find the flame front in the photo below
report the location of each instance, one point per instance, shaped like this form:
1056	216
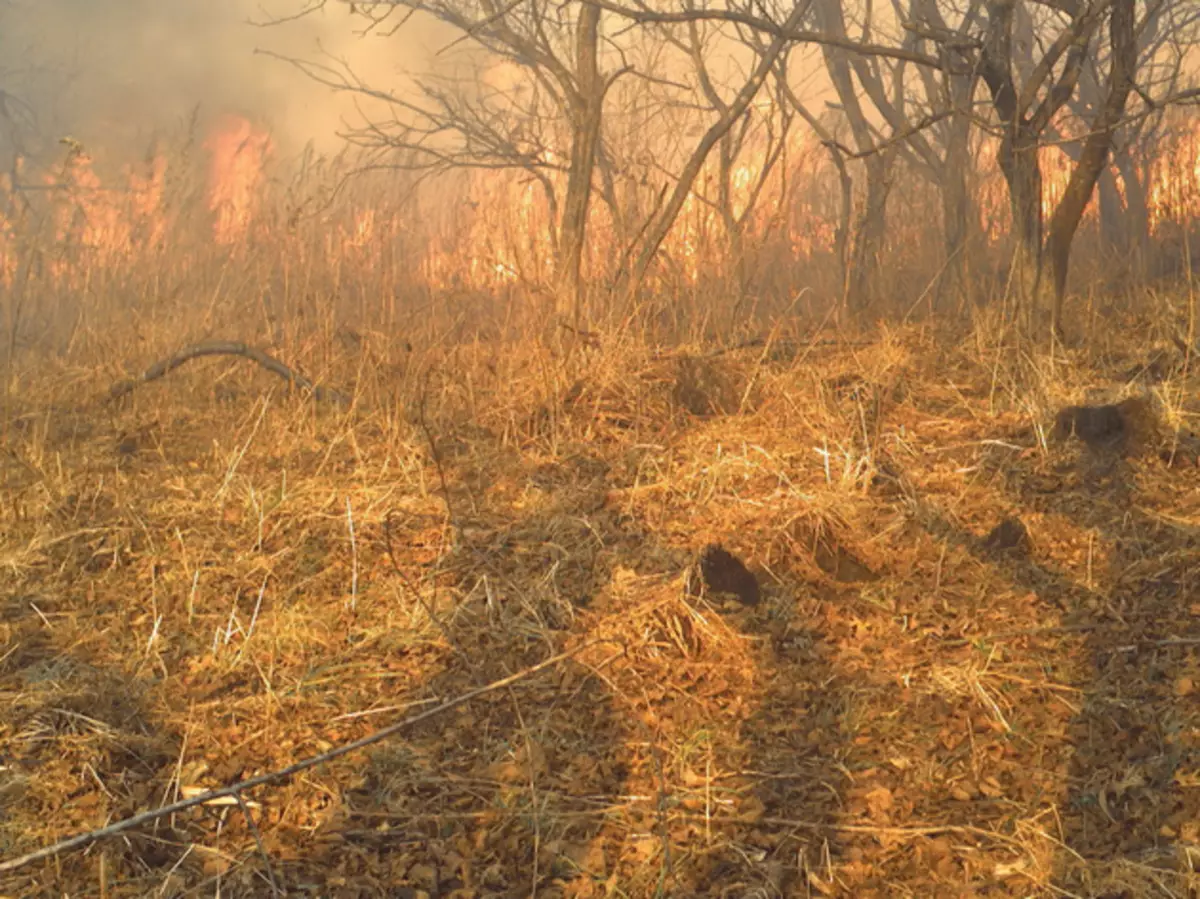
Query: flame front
487	230
238	153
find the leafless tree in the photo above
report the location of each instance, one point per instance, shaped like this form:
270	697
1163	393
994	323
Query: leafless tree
1167	35
1025	100
728	113
871	74
564	63
546	119
761	132
1026	106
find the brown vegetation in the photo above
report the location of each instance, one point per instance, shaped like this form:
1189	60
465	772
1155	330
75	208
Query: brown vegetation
948	644
215	596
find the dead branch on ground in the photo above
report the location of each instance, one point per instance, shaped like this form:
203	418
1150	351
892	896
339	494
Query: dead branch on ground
227	348
235	790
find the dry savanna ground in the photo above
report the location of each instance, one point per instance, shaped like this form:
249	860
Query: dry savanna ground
214	577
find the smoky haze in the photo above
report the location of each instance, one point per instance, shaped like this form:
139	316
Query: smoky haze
116	74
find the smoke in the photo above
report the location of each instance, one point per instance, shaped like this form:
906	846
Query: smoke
117	74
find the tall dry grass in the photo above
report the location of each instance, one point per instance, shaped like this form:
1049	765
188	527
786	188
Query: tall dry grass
215	577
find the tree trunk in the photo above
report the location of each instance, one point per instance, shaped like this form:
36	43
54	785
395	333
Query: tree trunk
1023	173
956	202
1114	234
734	236
841	237
870	224
870	229
1094	157
1137	210
585	134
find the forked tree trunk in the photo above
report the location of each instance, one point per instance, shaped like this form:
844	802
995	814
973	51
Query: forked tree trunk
585	135
1137	209
1065	221
1114	234
870	224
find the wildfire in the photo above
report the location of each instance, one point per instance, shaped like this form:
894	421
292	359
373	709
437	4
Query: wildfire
105	224
1173	178
490	229
238	153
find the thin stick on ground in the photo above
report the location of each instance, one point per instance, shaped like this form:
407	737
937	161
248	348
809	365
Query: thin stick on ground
235	790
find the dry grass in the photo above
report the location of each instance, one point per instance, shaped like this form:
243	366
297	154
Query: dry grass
201	584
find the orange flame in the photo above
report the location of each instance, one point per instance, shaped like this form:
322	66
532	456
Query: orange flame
488	230
238	153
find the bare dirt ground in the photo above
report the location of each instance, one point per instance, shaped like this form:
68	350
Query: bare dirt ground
212	579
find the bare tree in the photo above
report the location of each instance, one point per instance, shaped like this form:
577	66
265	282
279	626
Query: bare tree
878	160
545	120
871	76
762	131
1025	101
1166	35
1026	106
567	62
729	113
880	100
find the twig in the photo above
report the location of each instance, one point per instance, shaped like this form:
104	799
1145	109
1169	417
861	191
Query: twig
233	790
353	557
1157	644
429	610
258	842
423	423
589	339
1029	632
660	812
760	342
226	348
927	830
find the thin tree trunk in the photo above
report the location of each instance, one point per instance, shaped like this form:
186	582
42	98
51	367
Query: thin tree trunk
956	211
869	231
956	195
1114	234
841	235
869	227
1023	173
1137	210
1093	158
585	128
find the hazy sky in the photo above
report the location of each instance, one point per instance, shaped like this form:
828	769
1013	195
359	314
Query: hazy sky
114	72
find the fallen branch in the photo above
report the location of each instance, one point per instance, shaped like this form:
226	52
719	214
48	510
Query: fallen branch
235	790
227	348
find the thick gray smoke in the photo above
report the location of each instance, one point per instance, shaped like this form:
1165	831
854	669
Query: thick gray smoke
116	74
